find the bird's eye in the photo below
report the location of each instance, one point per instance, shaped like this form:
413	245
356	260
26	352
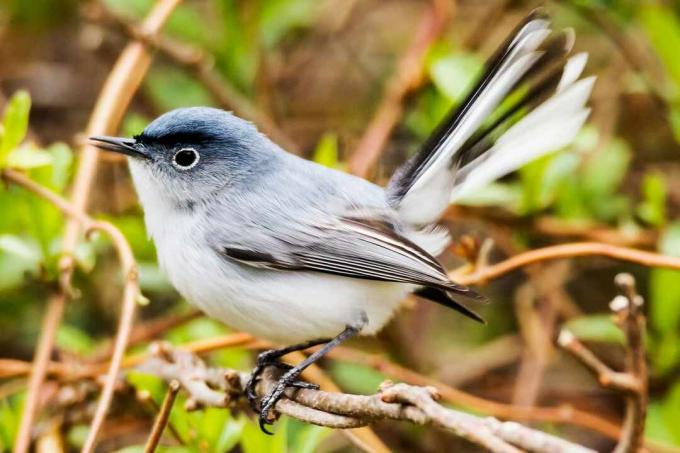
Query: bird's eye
185	158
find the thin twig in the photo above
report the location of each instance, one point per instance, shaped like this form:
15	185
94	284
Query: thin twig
162	418
572	250
632	382
407	77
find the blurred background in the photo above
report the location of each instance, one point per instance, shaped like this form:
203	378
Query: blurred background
313	74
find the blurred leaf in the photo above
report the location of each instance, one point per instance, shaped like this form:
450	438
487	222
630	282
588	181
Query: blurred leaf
72	339
454	75
62	164
674	120
230	435
14	123
27	157
656	427
133	124
671	411
148	383
151	278
9	422
652	209
326	152
665	285
170	88
18	256
85	256
278	17
602	175
598	327
604	170
309	438
77	435
494	194
356	378
662	27
255	441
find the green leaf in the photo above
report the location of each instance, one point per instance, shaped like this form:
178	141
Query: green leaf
356	378
671	411
254	441
656	427
606	168
653	207
326	152
665	285
28	157
231	434
597	327
661	24
309	438
62	164
494	194
72	339
14	123
453	75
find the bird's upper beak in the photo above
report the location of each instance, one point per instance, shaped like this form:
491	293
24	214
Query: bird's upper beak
127	146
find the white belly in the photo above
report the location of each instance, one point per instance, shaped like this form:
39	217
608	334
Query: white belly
281	306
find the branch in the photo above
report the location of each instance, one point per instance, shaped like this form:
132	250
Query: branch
572	250
162	418
222	388
632	382
408	76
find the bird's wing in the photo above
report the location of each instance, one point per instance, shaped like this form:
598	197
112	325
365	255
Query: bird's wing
350	247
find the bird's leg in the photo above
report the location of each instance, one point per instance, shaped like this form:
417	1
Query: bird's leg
290	377
271	358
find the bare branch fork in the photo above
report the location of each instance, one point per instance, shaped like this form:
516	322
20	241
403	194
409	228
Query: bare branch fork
632	382
218	387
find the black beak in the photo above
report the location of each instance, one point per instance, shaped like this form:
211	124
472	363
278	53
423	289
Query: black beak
120	145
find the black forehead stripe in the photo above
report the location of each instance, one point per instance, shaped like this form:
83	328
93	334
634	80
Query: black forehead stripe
196	136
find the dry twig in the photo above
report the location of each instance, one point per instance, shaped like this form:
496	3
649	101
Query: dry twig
632	382
162	418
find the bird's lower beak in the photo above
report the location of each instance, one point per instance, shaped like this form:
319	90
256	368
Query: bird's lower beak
127	146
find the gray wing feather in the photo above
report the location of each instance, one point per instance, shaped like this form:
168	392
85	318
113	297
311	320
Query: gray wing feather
365	248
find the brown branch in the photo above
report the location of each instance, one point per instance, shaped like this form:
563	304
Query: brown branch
162	418
407	77
632	382
393	402
558	414
565	251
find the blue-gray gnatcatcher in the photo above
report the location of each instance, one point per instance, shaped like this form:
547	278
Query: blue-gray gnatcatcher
291	251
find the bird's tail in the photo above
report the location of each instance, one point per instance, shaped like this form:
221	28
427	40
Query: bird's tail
528	102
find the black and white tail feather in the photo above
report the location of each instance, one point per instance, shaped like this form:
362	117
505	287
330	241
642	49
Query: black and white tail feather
528	103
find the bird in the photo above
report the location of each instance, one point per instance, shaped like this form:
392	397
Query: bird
301	254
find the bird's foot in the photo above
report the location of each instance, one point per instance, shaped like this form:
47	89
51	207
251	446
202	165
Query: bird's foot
289	379
266	359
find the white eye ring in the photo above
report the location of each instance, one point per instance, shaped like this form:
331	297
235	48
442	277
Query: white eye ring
183	154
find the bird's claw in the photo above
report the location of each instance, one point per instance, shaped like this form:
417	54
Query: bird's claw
290	379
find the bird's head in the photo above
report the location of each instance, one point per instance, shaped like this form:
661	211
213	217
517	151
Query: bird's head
186	155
